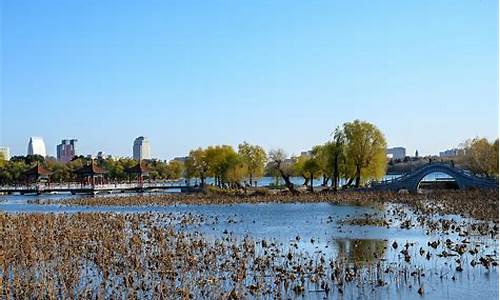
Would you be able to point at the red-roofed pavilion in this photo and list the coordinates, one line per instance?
(91, 174)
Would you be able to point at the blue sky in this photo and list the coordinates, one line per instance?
(276, 73)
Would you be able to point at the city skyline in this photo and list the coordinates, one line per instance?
(142, 145)
(279, 74)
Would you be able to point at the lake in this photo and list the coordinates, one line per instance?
(315, 229)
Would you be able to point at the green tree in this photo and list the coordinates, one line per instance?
(336, 148)
(2, 160)
(236, 170)
(481, 157)
(13, 172)
(220, 159)
(312, 168)
(254, 157)
(175, 169)
(117, 167)
(60, 171)
(298, 168)
(365, 150)
(322, 156)
(197, 165)
(74, 165)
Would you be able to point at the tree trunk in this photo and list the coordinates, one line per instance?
(350, 181)
(335, 178)
(358, 176)
(288, 183)
(312, 182)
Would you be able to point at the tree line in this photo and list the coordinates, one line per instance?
(355, 152)
(12, 171)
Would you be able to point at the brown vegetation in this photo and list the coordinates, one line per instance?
(479, 204)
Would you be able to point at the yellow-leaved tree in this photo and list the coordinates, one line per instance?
(365, 148)
(481, 157)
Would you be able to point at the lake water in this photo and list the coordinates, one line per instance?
(266, 181)
(315, 229)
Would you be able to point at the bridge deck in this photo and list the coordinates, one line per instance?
(411, 181)
(89, 189)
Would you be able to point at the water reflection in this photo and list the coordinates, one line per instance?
(362, 251)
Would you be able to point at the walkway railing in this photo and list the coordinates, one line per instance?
(107, 186)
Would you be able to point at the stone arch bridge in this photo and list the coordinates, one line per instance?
(412, 180)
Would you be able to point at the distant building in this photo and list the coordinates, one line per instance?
(66, 150)
(416, 153)
(5, 151)
(101, 155)
(396, 153)
(36, 146)
(306, 153)
(181, 159)
(141, 149)
(452, 152)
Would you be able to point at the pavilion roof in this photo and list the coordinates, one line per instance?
(37, 170)
(91, 169)
(140, 168)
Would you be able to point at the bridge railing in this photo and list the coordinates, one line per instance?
(77, 185)
(450, 169)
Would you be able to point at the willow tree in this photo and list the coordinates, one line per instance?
(365, 150)
(481, 156)
(236, 170)
(336, 150)
(298, 168)
(220, 158)
(323, 156)
(313, 169)
(254, 157)
(197, 165)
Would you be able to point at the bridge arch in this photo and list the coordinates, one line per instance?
(426, 173)
(411, 181)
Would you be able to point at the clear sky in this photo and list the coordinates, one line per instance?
(276, 73)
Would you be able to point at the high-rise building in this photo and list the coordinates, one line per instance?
(36, 146)
(5, 153)
(306, 153)
(396, 152)
(66, 150)
(181, 159)
(141, 149)
(452, 152)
